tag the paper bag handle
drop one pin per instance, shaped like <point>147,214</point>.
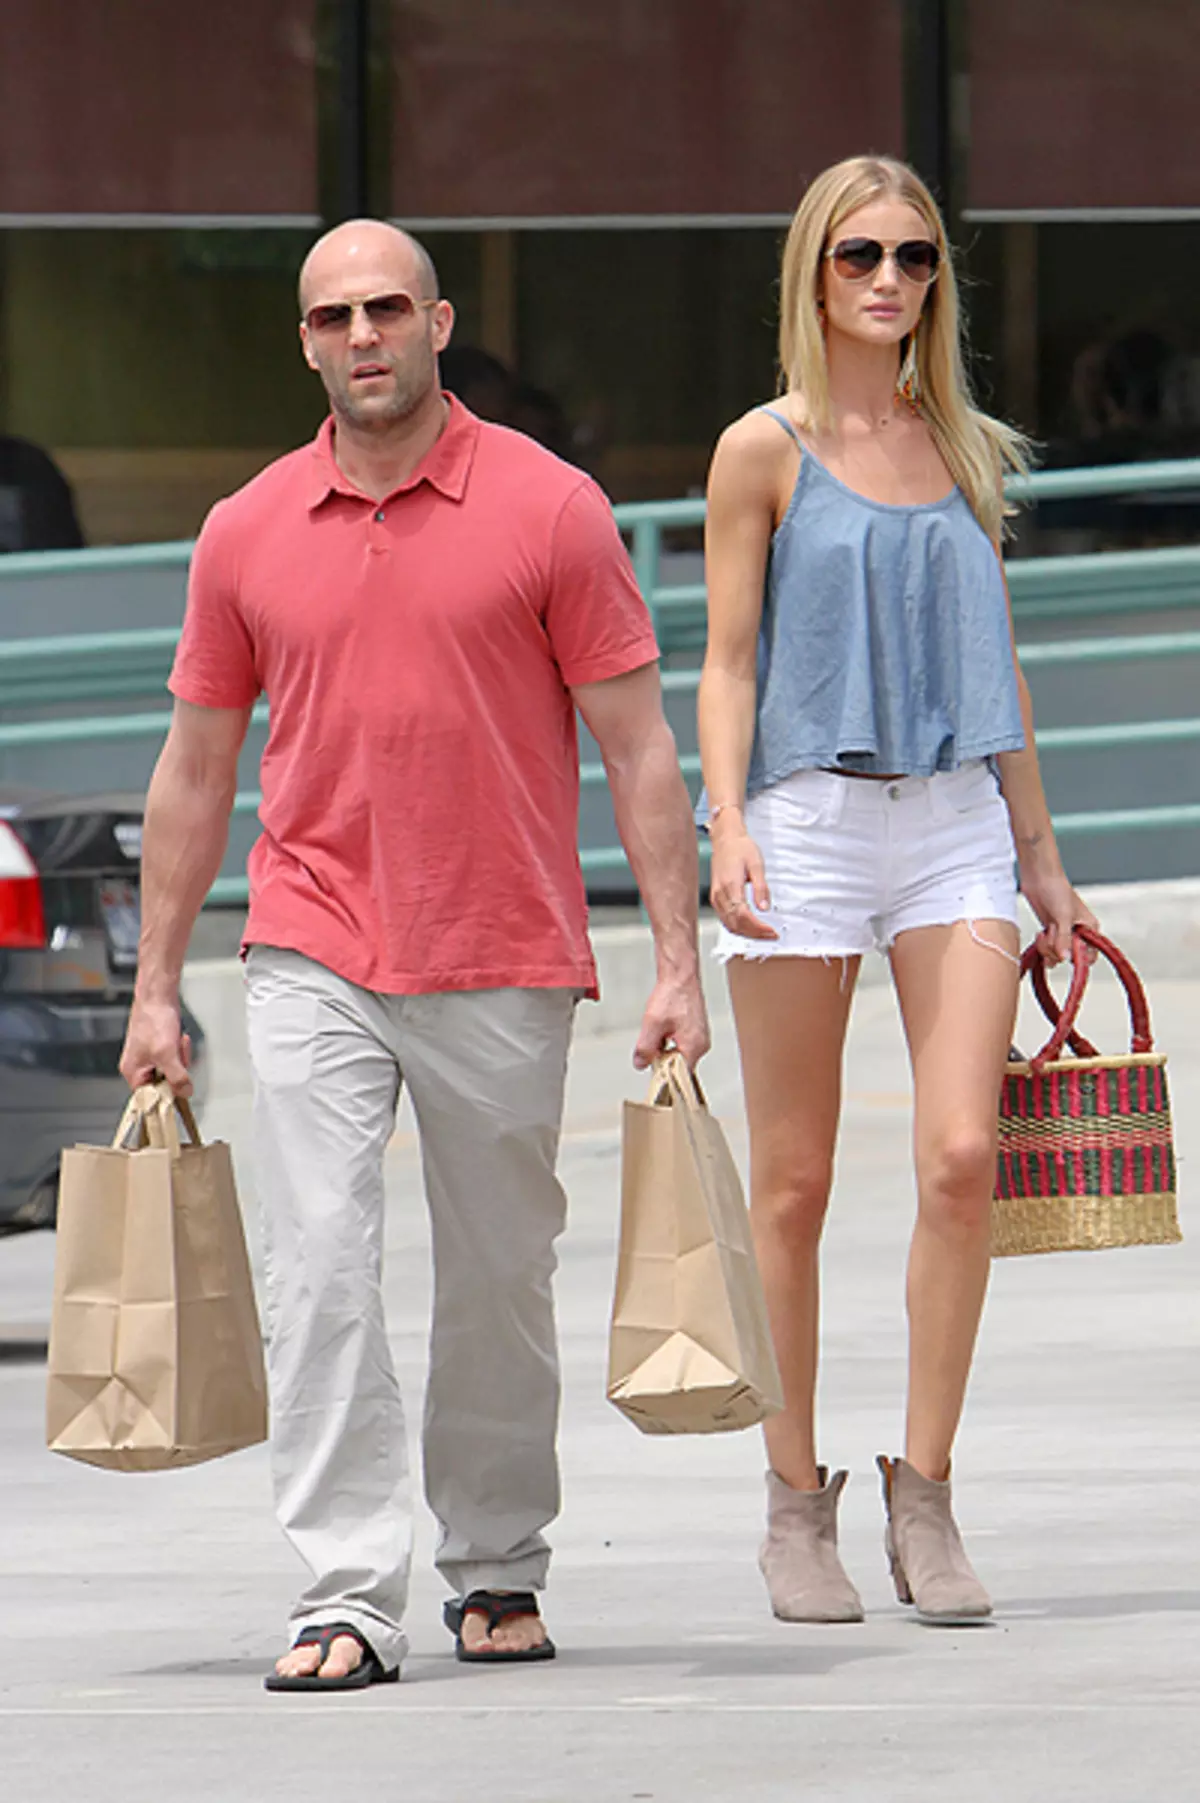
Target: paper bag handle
<point>149,1119</point>
<point>671,1074</point>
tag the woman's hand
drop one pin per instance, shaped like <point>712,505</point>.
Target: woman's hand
<point>737,865</point>
<point>1059,909</point>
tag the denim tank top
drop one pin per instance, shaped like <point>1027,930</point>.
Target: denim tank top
<point>884,643</point>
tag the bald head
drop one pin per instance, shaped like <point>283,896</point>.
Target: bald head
<point>366,256</point>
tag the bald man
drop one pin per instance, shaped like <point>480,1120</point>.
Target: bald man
<point>426,599</point>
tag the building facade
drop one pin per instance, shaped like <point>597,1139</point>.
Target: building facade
<point>604,188</point>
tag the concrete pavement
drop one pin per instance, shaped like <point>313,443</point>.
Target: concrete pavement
<point>139,1612</point>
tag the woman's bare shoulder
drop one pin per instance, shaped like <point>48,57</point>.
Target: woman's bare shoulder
<point>761,428</point>
<point>754,448</point>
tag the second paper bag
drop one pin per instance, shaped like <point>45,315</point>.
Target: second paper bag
<point>690,1349</point>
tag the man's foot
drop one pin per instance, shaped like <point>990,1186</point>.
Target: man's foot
<point>345,1656</point>
<point>519,1634</point>
<point>495,1627</point>
<point>333,1657</point>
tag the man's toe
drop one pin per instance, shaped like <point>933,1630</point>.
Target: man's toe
<point>300,1662</point>
<point>345,1656</point>
<point>475,1635</point>
<point>519,1634</point>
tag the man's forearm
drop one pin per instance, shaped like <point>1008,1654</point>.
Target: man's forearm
<point>654,819</point>
<point>183,843</point>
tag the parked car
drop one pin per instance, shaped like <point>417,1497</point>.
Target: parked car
<point>70,872</point>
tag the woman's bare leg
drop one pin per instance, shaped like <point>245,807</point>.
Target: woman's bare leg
<point>958,998</point>
<point>791,1016</point>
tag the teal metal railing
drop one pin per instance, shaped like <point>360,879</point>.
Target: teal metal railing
<point>60,671</point>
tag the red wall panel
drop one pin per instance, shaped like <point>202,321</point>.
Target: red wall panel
<point>151,106</point>
<point>536,108</point>
<point>1081,106</point>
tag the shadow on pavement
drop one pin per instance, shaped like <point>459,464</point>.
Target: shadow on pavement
<point>255,1666</point>
<point>689,1661</point>
<point>684,1661</point>
<point>1086,1608</point>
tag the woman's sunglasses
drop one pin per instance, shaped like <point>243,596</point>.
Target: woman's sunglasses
<point>856,258</point>
<point>382,311</point>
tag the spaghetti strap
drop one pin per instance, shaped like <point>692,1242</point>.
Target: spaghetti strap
<point>787,425</point>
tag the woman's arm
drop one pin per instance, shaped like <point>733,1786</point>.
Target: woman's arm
<point>742,490</point>
<point>1044,882</point>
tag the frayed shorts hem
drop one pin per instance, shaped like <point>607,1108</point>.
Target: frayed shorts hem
<point>732,945</point>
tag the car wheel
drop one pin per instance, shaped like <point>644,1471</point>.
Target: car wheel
<point>41,1210</point>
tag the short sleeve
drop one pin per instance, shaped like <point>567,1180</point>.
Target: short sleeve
<point>598,624</point>
<point>214,663</point>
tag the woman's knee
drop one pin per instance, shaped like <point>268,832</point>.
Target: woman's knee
<point>791,1203</point>
<point>957,1176</point>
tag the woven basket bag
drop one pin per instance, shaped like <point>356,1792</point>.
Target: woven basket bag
<point>1086,1153</point>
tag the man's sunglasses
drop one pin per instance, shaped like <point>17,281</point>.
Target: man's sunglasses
<point>382,311</point>
<point>856,258</point>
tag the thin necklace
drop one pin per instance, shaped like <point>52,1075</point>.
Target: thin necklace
<point>878,424</point>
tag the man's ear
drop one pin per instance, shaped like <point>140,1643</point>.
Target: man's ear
<point>443,325</point>
<point>306,347</point>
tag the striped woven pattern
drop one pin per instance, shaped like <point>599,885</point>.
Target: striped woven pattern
<point>1086,1157</point>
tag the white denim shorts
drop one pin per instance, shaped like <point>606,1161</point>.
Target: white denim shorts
<point>852,863</point>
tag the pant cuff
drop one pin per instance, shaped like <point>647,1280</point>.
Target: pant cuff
<point>519,1574</point>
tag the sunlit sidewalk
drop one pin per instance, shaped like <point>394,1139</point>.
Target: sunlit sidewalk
<point>139,1612</point>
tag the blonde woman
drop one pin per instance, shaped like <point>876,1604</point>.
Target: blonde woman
<point>870,779</point>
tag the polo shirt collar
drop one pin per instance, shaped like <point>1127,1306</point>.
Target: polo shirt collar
<point>445,466</point>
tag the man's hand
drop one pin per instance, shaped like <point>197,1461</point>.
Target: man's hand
<point>675,1015</point>
<point>155,1046</point>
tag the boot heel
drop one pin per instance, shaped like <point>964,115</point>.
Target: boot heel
<point>887,1473</point>
<point>903,1593</point>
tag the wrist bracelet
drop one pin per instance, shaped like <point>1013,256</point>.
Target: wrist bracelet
<point>722,807</point>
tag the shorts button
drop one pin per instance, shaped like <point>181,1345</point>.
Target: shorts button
<point>894,792</point>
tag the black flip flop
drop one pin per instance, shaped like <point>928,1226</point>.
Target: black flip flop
<point>369,1671</point>
<point>498,1606</point>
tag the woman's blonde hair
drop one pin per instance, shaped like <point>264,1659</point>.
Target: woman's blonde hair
<point>976,449</point>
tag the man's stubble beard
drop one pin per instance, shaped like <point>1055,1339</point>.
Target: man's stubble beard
<point>412,382</point>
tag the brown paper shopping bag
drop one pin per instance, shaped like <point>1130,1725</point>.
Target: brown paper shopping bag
<point>690,1349</point>
<point>155,1350</point>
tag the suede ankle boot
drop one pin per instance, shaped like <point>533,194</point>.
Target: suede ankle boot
<point>799,1557</point>
<point>929,1565</point>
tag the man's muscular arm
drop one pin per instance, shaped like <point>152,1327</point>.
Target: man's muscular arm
<point>654,819</point>
<point>186,827</point>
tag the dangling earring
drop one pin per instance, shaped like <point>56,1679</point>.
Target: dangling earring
<point>908,380</point>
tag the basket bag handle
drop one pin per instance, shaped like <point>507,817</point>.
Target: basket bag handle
<point>1063,1019</point>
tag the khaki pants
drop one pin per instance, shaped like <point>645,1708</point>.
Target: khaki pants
<point>485,1070</point>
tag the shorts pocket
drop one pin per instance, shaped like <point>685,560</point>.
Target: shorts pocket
<point>809,798</point>
<point>970,790</point>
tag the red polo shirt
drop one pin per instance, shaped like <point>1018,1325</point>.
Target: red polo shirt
<point>421,778</point>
